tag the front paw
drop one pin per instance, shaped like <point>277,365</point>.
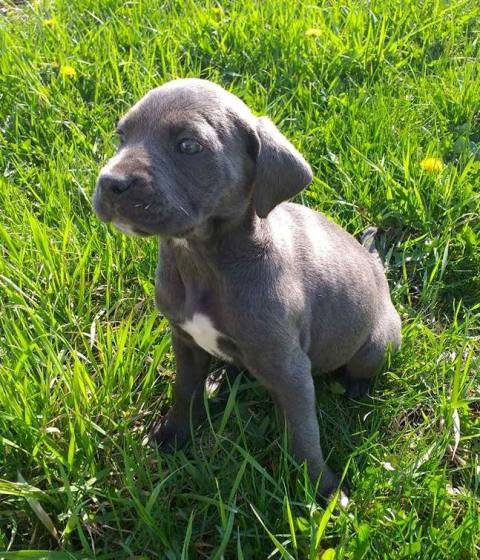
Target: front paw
<point>329,483</point>
<point>169,433</point>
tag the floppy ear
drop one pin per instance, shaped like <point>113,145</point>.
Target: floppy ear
<point>281,171</point>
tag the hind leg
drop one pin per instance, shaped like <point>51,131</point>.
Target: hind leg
<point>356,376</point>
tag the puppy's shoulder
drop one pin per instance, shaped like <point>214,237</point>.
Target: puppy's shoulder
<point>302,224</point>
<point>303,216</point>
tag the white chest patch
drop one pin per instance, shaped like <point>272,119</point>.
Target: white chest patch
<point>201,329</point>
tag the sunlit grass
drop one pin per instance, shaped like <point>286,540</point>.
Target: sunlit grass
<point>369,93</point>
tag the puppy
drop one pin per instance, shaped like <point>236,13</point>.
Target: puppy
<point>243,275</point>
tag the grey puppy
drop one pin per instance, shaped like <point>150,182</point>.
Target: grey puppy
<point>243,275</point>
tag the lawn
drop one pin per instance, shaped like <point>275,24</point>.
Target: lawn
<point>367,91</point>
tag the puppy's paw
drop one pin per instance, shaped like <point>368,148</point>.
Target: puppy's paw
<point>354,386</point>
<point>168,435</point>
<point>358,388</point>
<point>328,485</point>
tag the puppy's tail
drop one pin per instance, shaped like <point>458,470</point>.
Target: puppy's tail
<point>367,239</point>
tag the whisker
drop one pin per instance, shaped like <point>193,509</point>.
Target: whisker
<point>182,208</point>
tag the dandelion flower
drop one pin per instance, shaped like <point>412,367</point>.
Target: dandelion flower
<point>68,71</point>
<point>313,32</point>
<point>52,22</point>
<point>431,164</point>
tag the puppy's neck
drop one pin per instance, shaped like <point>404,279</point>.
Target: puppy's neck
<point>220,239</point>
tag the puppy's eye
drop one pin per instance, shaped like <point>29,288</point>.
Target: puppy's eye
<point>189,146</point>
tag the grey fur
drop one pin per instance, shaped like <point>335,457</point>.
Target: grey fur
<point>286,289</point>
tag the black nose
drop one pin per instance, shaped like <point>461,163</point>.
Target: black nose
<point>114,183</point>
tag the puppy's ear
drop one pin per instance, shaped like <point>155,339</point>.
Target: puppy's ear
<point>281,171</point>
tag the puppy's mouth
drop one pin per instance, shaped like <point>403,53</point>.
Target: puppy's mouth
<point>132,221</point>
<point>138,232</point>
<point>131,230</point>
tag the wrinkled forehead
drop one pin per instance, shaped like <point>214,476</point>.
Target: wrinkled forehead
<point>185,103</point>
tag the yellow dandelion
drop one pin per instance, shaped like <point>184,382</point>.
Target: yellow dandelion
<point>431,164</point>
<point>68,71</point>
<point>313,32</point>
<point>52,22</point>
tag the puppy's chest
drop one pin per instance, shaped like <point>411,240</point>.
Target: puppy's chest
<point>197,311</point>
<point>201,328</point>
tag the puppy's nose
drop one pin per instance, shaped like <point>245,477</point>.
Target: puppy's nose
<point>114,183</point>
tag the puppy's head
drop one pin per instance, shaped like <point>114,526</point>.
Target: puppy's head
<point>190,152</point>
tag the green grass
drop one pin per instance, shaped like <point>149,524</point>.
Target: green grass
<point>85,360</point>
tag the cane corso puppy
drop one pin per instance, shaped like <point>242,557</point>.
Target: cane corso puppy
<point>244,275</point>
